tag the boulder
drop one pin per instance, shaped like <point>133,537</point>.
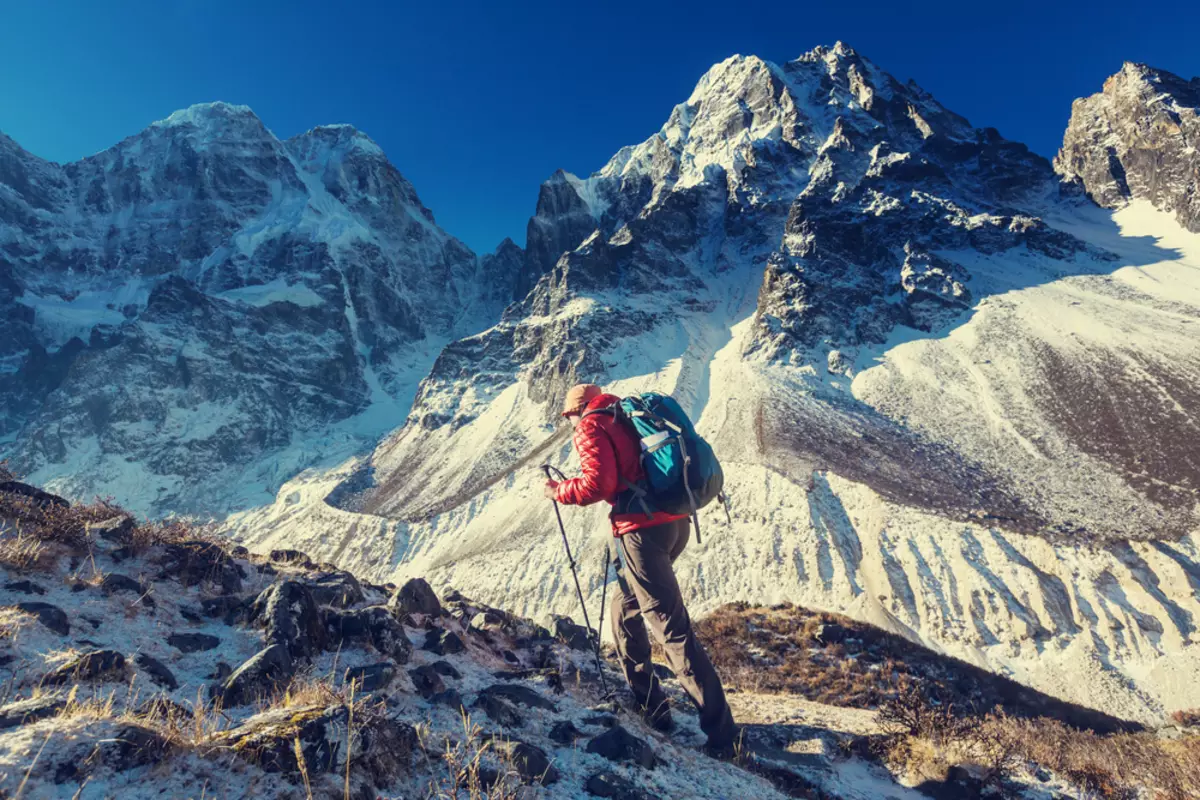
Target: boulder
<point>108,744</point>
<point>564,732</point>
<point>295,558</point>
<point>338,589</point>
<point>231,608</point>
<point>426,681</point>
<point>31,710</point>
<point>380,747</point>
<point>530,761</point>
<point>446,669</point>
<point>830,633</point>
<point>443,642</point>
<point>118,530</point>
<point>115,583</point>
<point>97,665</point>
<point>600,721</point>
<point>193,563</point>
<point>371,677</point>
<point>573,636</point>
<point>156,671</point>
<point>499,710</point>
<point>289,616</point>
<point>374,625</point>
<point>37,496</point>
<point>24,587</point>
<point>193,642</point>
<point>610,784</point>
<point>488,620</point>
<point>52,617</point>
<point>521,695</point>
<point>415,597</point>
<point>449,697</point>
<point>618,744</point>
<point>263,674</point>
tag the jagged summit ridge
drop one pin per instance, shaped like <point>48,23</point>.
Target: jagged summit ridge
<point>250,302</point>
<point>1138,138</point>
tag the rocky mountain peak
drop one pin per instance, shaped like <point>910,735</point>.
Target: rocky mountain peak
<point>1138,138</point>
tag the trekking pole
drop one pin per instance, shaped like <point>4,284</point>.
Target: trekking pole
<point>575,574</point>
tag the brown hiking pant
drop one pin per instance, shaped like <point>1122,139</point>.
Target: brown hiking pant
<point>650,594</point>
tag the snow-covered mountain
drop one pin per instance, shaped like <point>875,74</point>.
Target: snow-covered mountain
<point>952,395</point>
<point>197,313</point>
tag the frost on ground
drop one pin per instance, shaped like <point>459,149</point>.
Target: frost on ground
<point>147,661</point>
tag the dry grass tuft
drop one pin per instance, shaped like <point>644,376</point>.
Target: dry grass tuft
<point>926,742</point>
<point>465,768</point>
<point>22,552</point>
<point>12,621</point>
<point>175,530</point>
<point>832,659</point>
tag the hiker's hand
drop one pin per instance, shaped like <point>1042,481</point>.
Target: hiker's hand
<point>551,489</point>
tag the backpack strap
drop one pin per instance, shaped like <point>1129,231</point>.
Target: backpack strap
<point>638,492</point>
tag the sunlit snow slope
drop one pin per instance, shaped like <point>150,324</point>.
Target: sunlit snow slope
<point>953,396</point>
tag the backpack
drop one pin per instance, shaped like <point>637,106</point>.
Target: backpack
<point>682,474</point>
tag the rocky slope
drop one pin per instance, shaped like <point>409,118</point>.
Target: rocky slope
<point>145,660</point>
<point>200,311</point>
<point>953,397</point>
<point>1138,139</point>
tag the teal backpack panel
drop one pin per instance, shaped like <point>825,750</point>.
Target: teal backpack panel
<point>682,472</point>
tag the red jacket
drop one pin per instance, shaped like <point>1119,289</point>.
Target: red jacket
<point>608,451</point>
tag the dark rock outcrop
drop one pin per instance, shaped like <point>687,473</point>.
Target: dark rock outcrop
<point>261,676</point>
<point>531,762</point>
<point>618,744</point>
<point>51,616</point>
<point>97,665</point>
<point>372,677</point>
<point>443,642</point>
<point>31,710</point>
<point>289,616</point>
<point>374,625</point>
<point>156,670</point>
<point>195,563</point>
<point>193,642</point>
<point>338,589</point>
<point>612,785</point>
<point>415,597</point>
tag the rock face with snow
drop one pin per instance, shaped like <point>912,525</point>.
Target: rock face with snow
<point>953,397</point>
<point>202,309</point>
<point>944,400</point>
<point>1139,138</point>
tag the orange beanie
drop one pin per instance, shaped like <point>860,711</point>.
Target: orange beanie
<point>579,396</point>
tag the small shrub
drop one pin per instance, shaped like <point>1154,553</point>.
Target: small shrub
<point>1187,718</point>
<point>12,621</point>
<point>21,552</point>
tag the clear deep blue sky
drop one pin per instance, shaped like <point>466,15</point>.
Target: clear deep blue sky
<point>477,103</point>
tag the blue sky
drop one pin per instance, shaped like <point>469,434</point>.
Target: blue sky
<point>477,103</point>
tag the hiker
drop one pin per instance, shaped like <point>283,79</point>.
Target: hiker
<point>649,543</point>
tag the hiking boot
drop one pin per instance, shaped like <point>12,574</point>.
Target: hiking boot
<point>663,723</point>
<point>722,751</point>
<point>725,747</point>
